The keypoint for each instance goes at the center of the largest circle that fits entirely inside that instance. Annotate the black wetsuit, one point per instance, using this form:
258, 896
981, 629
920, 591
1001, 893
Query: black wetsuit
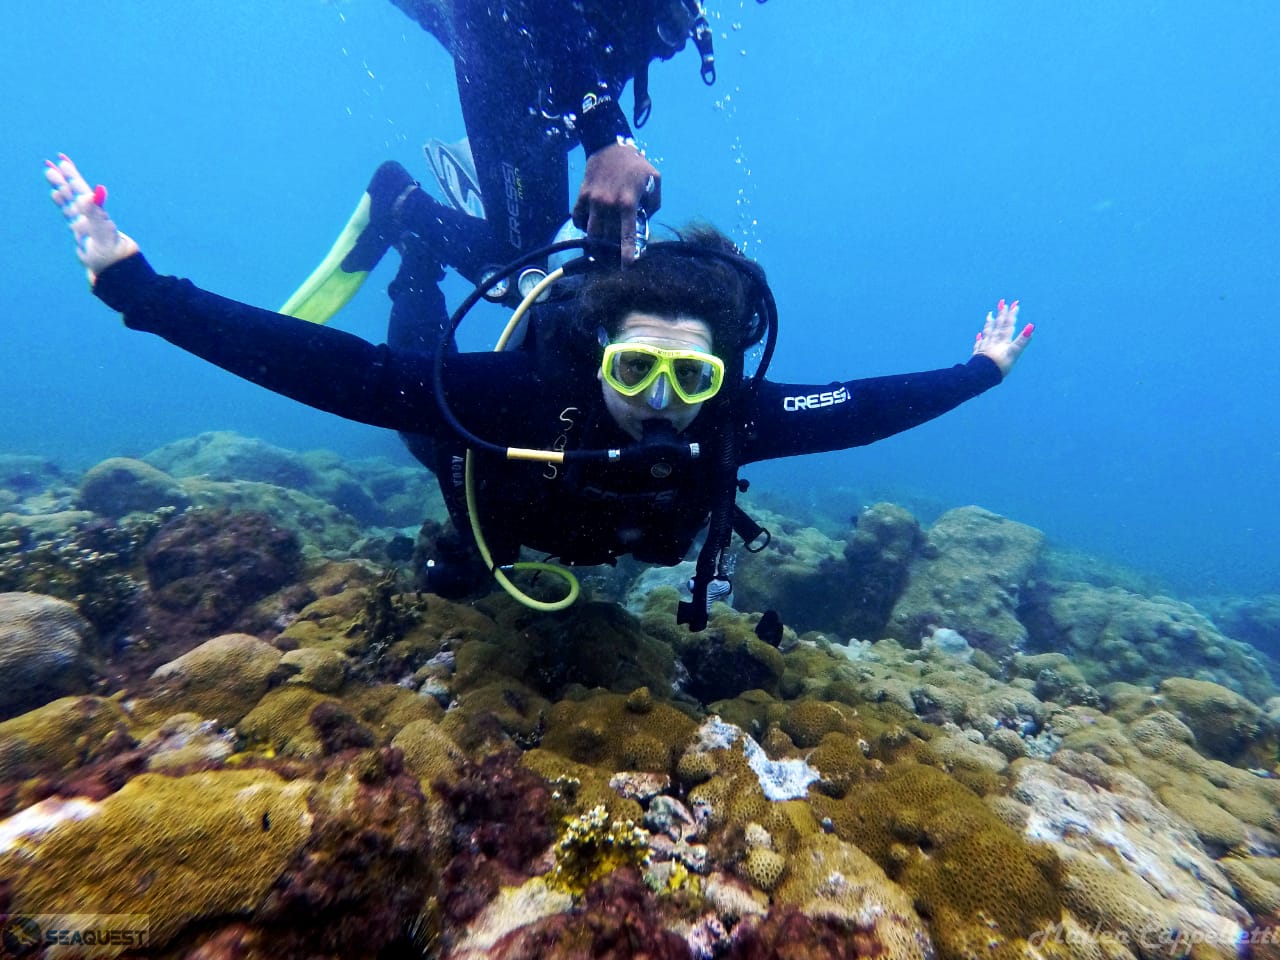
535, 79
534, 398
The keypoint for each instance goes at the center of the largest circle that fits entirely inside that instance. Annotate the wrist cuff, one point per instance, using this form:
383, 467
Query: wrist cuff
601, 123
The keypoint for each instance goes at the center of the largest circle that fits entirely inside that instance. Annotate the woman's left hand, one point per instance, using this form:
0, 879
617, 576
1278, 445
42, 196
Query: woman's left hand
997, 340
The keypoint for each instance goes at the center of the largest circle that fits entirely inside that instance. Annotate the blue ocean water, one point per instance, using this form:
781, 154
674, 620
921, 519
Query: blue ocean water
897, 167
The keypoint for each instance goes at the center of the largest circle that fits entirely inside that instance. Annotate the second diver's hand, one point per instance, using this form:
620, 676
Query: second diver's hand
99, 243
619, 180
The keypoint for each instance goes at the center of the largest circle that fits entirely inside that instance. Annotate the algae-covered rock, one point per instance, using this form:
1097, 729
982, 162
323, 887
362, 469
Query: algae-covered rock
176, 850
184, 741
42, 651
207, 566
969, 577
1112, 635
1160, 860
123, 485
224, 455
222, 679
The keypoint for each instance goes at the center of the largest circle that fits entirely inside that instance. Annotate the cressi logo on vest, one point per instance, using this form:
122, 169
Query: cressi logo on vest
815, 401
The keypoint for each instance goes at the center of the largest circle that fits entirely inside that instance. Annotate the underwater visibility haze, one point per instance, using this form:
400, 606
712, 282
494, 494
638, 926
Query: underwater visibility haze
896, 168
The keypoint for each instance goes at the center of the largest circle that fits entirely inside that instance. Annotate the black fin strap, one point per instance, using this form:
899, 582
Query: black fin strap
641, 102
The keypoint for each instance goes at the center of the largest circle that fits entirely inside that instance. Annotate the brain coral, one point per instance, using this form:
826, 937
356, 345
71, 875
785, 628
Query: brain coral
220, 680
833, 879
602, 731
976, 881
1225, 724
42, 653
175, 849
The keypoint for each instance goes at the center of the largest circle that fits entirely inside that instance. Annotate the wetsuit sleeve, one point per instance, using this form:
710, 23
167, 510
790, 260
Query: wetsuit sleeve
787, 419
322, 367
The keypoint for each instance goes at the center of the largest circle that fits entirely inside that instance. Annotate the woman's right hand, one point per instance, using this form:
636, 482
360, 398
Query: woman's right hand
98, 243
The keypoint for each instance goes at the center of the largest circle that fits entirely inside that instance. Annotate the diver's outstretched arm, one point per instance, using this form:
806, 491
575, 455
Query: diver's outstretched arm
99, 243
996, 340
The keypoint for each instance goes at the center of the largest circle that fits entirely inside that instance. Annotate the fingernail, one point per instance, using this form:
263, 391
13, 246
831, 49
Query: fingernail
1015, 305
100, 195
63, 156
51, 165
1029, 329
1000, 306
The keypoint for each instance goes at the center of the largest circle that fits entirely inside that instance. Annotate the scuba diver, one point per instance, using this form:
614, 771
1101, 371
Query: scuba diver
535, 79
614, 423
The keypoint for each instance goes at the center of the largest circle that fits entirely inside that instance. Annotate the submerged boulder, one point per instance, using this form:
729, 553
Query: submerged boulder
969, 577
123, 485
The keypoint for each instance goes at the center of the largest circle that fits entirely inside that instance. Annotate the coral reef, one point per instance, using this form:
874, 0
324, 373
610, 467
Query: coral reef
281, 748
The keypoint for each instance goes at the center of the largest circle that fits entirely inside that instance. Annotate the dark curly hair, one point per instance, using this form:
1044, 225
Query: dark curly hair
674, 283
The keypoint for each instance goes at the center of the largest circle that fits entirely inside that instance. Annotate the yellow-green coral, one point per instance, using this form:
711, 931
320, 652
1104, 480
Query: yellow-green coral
808, 721
222, 680
577, 787
764, 867
603, 731
58, 736
175, 849
429, 754
592, 846
280, 721
827, 877
978, 882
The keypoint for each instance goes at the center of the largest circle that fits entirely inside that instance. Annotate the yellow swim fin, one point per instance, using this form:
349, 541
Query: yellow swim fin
329, 287
363, 241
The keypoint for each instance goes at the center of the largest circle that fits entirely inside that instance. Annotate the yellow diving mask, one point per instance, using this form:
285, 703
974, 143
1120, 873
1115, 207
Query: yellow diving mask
632, 368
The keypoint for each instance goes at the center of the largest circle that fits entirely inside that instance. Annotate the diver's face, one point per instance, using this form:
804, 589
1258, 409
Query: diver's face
659, 402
